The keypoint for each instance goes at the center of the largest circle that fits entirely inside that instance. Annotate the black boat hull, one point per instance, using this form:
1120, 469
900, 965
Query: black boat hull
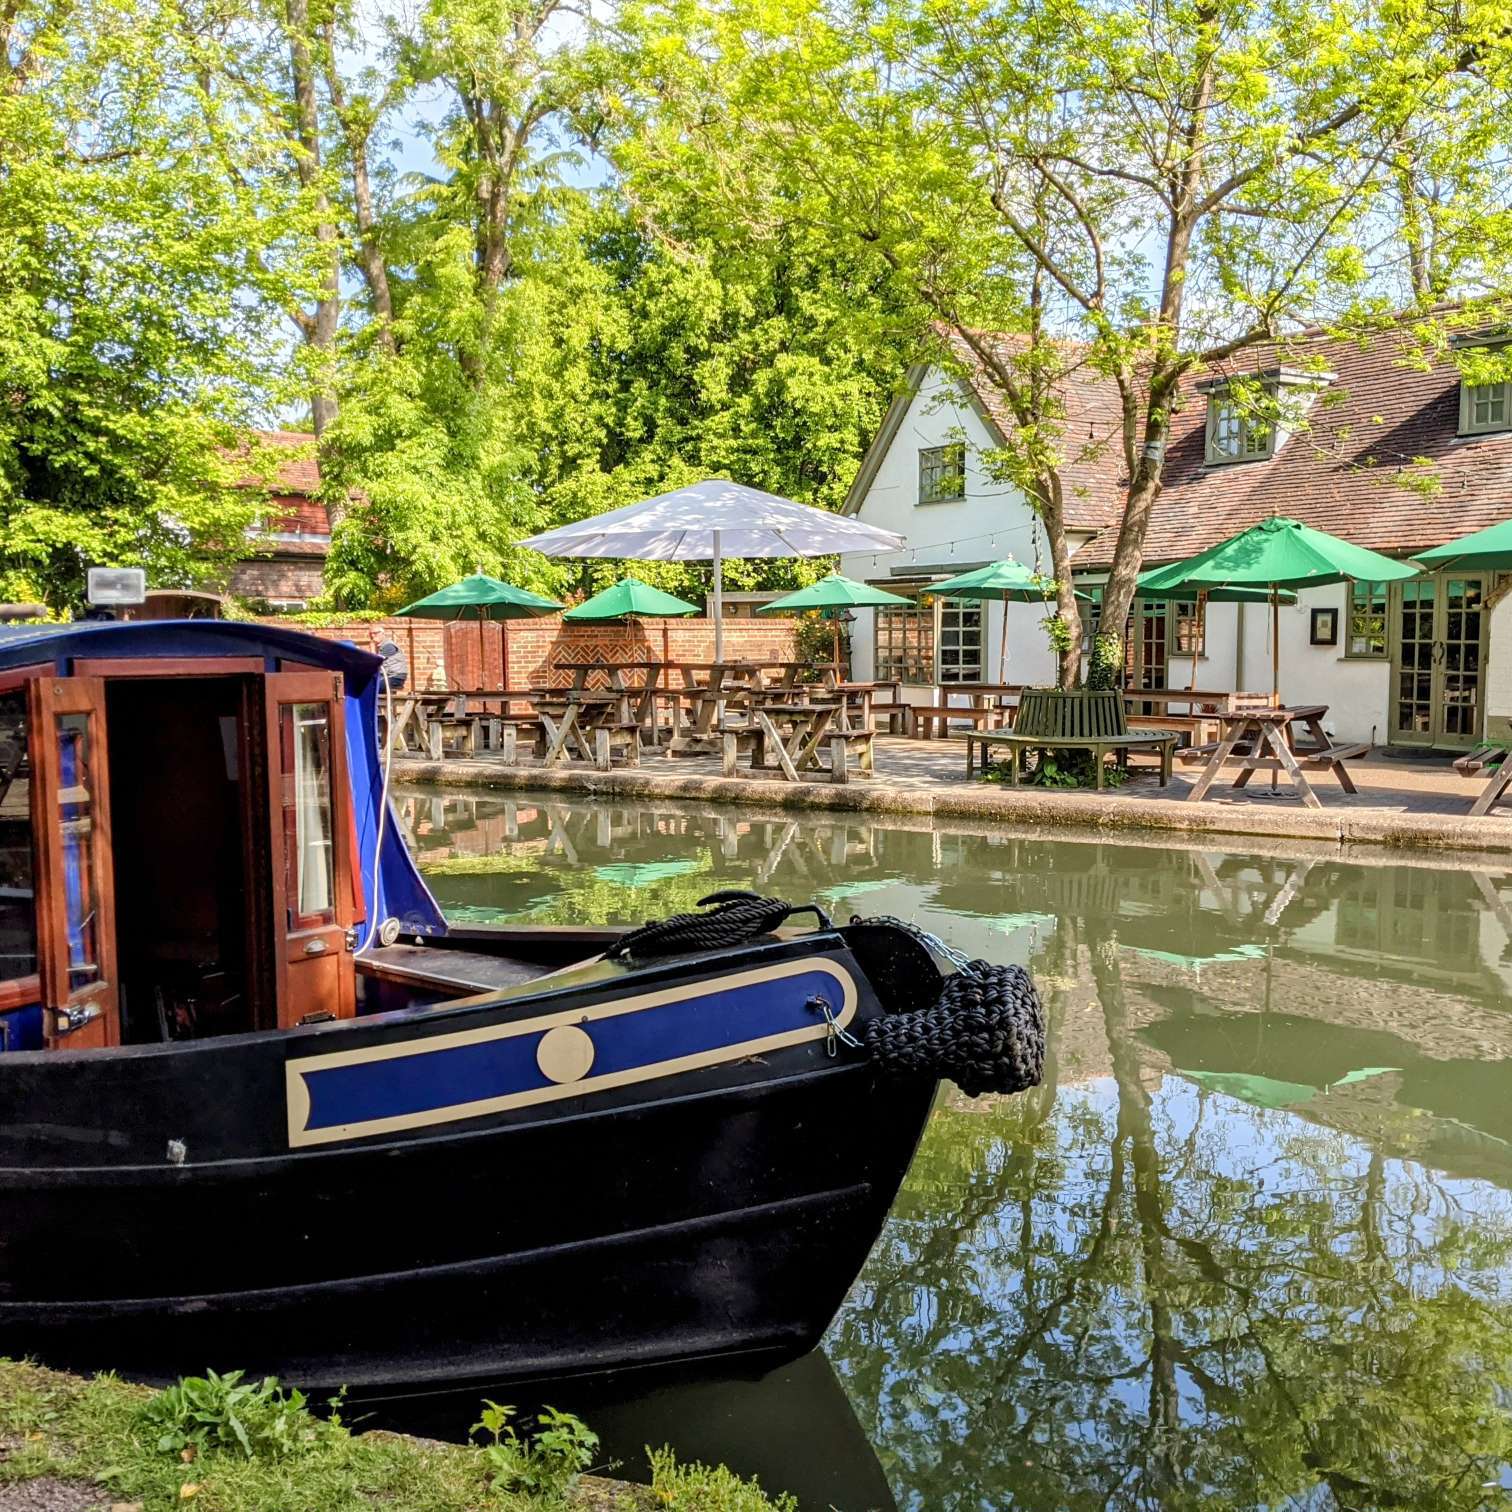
722, 1210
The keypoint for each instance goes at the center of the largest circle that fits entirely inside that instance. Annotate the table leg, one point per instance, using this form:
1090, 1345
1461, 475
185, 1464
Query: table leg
1205, 779
811, 737
1277, 743
1496, 785
775, 745
839, 758
556, 735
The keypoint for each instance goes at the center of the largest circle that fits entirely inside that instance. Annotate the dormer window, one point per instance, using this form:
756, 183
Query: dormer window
1485, 408
1485, 396
942, 474
1233, 436
1252, 425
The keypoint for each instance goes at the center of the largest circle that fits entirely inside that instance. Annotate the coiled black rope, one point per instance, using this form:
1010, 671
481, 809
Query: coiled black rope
985, 1031
732, 918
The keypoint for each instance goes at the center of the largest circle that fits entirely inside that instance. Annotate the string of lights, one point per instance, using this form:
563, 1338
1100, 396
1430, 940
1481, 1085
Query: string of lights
932, 552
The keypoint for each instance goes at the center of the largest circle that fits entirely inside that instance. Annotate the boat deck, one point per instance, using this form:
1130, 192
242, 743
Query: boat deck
453, 970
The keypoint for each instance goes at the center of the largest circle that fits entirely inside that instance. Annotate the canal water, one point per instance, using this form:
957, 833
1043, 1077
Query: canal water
1250, 1246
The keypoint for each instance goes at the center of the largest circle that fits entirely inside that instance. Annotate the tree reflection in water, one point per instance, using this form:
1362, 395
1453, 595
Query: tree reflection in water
1140, 1294
1134, 1288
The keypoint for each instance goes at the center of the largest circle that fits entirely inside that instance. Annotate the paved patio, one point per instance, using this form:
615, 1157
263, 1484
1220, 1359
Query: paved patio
1403, 802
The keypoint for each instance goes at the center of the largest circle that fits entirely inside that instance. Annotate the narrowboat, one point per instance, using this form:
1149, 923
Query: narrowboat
261, 1108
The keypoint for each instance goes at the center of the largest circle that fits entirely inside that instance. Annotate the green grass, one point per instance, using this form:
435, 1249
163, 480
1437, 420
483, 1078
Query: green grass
123, 1439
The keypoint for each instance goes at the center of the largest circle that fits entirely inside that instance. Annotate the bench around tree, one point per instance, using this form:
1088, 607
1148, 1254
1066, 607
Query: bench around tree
1053, 719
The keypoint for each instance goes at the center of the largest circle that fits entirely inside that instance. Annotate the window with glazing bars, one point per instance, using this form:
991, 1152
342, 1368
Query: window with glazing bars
942, 474
1367, 620
960, 654
905, 645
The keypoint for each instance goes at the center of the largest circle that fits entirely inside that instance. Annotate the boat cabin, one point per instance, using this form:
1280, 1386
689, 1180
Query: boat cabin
190, 825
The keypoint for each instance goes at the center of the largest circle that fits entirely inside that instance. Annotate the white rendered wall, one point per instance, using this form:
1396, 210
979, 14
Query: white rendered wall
991, 521
1356, 691
1499, 668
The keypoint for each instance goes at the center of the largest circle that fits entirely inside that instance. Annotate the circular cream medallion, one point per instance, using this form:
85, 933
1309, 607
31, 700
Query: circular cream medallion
564, 1053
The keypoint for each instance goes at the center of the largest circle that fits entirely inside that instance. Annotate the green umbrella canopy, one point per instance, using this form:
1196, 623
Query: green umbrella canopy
1282, 553
1165, 582
481, 597
631, 596
1488, 548
833, 592
1006, 579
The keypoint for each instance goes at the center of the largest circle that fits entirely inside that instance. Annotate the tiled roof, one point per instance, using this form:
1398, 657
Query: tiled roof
1342, 473
300, 474
1092, 477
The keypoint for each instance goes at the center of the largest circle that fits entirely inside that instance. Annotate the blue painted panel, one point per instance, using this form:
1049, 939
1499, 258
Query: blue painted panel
21, 1028
446, 1073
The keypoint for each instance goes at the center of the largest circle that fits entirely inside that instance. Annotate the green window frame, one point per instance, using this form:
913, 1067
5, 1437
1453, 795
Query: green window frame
1188, 631
1233, 436
1369, 621
1485, 408
942, 474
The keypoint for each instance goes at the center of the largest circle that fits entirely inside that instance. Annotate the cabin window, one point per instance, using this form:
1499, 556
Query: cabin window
942, 474
76, 816
18, 909
309, 874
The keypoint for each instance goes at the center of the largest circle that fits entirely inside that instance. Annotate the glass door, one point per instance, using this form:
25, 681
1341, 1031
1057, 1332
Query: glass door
1438, 666
314, 903
76, 942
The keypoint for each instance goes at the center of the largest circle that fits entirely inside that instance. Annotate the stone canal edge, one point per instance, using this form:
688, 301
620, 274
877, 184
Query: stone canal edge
1079, 814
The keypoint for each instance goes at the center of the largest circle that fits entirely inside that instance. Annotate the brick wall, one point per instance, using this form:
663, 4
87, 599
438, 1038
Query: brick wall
279, 578
544, 651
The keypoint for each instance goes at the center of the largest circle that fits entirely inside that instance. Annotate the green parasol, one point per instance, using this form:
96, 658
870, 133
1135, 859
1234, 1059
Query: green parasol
632, 597
833, 595
1005, 579
1163, 583
1276, 554
481, 597
1488, 548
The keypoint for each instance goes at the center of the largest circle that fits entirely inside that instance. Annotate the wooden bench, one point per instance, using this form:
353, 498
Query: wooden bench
925, 719
1050, 719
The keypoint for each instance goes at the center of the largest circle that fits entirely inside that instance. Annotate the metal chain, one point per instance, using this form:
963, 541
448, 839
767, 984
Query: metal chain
957, 958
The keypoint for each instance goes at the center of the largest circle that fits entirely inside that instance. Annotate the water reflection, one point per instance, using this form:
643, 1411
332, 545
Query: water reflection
1250, 1246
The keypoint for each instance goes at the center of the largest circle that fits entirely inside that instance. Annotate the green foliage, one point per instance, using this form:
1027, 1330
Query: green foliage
696, 1488
547, 1464
225, 1413
96, 1432
1105, 666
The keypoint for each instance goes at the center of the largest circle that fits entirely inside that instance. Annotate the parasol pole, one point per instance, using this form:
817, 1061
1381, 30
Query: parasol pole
718, 600
1275, 665
839, 670
1003, 646
1275, 648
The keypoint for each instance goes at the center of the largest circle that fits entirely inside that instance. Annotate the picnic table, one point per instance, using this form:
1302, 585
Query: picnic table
1263, 739
795, 749
592, 723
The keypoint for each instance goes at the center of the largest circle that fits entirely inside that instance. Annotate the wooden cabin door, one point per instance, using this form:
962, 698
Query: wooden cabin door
75, 884
312, 833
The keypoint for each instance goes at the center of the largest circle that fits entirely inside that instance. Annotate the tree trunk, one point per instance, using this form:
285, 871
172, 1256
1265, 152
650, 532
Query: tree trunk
370, 256
320, 332
1066, 641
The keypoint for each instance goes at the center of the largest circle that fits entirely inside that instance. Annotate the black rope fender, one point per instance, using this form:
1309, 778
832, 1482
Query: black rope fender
985, 1031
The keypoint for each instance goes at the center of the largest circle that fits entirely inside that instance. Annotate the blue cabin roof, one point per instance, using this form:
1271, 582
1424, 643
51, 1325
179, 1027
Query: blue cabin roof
402, 895
26, 645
